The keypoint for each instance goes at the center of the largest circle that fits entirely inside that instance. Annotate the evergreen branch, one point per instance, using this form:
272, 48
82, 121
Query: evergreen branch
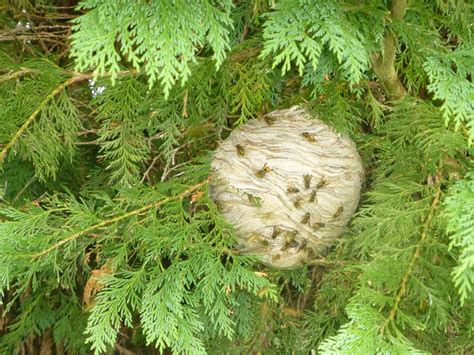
298, 32
76, 78
11, 75
459, 211
424, 236
384, 65
198, 24
449, 75
115, 219
40, 107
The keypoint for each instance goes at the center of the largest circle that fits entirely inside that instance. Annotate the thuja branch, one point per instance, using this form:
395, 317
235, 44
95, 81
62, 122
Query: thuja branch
12, 75
40, 107
384, 65
76, 78
409, 271
121, 217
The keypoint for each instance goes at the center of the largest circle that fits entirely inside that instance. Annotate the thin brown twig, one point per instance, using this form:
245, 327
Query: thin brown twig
86, 132
122, 350
66, 50
46, 36
150, 167
28, 183
170, 165
94, 142
185, 104
41, 27
38, 35
49, 17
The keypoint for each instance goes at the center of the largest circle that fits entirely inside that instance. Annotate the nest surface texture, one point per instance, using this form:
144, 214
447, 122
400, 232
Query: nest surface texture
288, 184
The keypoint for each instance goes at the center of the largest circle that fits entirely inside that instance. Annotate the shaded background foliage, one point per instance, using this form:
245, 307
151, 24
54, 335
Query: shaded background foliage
109, 113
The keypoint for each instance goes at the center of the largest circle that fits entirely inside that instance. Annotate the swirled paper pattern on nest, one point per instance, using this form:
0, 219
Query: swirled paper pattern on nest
289, 184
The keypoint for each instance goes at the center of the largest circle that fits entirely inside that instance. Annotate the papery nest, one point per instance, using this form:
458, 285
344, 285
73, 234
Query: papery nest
289, 184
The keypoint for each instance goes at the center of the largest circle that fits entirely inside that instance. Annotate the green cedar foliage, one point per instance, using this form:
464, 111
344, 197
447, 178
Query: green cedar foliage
109, 113
148, 36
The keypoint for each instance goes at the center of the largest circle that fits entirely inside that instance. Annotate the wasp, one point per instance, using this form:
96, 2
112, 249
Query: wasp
287, 245
305, 219
303, 245
294, 244
312, 197
297, 203
254, 237
240, 150
254, 200
310, 253
261, 173
290, 241
292, 190
270, 120
291, 235
276, 232
276, 257
264, 242
218, 206
309, 137
318, 225
323, 182
338, 212
307, 181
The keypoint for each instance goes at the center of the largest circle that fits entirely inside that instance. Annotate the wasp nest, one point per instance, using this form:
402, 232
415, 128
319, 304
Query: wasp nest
289, 184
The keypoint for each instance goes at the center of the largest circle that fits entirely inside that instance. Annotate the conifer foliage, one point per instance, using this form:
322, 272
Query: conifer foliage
109, 114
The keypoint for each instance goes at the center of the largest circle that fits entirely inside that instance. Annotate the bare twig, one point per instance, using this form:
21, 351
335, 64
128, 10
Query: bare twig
150, 167
172, 162
94, 142
38, 35
29, 182
87, 131
173, 168
122, 350
185, 104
